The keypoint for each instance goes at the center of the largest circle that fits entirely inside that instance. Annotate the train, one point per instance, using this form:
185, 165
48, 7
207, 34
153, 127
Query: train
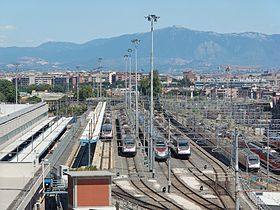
126, 139
209, 142
129, 145
248, 160
161, 148
263, 153
106, 131
180, 147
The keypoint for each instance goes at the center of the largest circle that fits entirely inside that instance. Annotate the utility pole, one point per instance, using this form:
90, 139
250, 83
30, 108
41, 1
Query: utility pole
78, 90
129, 55
267, 155
237, 201
16, 65
152, 19
136, 43
100, 78
125, 59
144, 133
169, 159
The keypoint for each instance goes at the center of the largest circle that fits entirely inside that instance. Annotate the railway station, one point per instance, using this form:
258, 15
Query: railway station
187, 156
134, 171
172, 117
98, 160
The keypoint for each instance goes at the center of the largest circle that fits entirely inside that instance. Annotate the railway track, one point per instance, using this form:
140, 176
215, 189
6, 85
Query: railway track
221, 191
140, 184
79, 159
153, 198
120, 193
187, 191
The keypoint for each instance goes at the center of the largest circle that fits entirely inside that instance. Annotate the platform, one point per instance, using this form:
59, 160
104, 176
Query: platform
93, 127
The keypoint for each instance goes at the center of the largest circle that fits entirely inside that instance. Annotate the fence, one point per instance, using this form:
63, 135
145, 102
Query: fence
65, 140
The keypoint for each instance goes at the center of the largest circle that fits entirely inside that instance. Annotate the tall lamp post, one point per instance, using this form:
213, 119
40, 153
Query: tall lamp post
125, 59
136, 43
129, 55
237, 198
100, 78
152, 19
228, 71
16, 65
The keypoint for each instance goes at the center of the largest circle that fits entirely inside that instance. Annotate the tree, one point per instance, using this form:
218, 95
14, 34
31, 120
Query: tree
8, 91
85, 91
183, 82
38, 87
2, 97
157, 84
145, 84
34, 100
59, 88
118, 84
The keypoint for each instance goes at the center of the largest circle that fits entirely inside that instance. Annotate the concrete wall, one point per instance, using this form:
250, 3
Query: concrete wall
89, 191
93, 192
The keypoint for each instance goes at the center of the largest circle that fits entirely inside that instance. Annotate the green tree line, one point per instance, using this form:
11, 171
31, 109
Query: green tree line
145, 84
7, 91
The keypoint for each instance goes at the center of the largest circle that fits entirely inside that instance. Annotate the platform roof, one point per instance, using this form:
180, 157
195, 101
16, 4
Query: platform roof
42, 142
11, 111
13, 145
6, 109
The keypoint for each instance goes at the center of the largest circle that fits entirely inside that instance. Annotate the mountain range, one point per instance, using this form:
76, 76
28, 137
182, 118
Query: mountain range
176, 49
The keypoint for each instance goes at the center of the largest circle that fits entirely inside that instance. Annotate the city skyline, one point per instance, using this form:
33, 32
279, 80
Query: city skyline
31, 23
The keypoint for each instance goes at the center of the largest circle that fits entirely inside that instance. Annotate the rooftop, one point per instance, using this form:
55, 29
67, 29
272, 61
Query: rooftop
270, 198
89, 173
6, 109
13, 184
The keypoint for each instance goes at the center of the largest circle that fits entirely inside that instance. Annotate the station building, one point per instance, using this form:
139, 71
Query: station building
26, 136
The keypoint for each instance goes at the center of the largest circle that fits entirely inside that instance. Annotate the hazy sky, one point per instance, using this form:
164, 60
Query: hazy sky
32, 22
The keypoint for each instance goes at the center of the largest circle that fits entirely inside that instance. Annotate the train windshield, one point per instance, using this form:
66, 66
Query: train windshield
107, 127
160, 144
129, 142
183, 144
253, 159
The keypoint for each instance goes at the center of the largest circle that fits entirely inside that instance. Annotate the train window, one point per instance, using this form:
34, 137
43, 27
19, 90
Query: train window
183, 144
253, 159
160, 144
107, 127
129, 143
